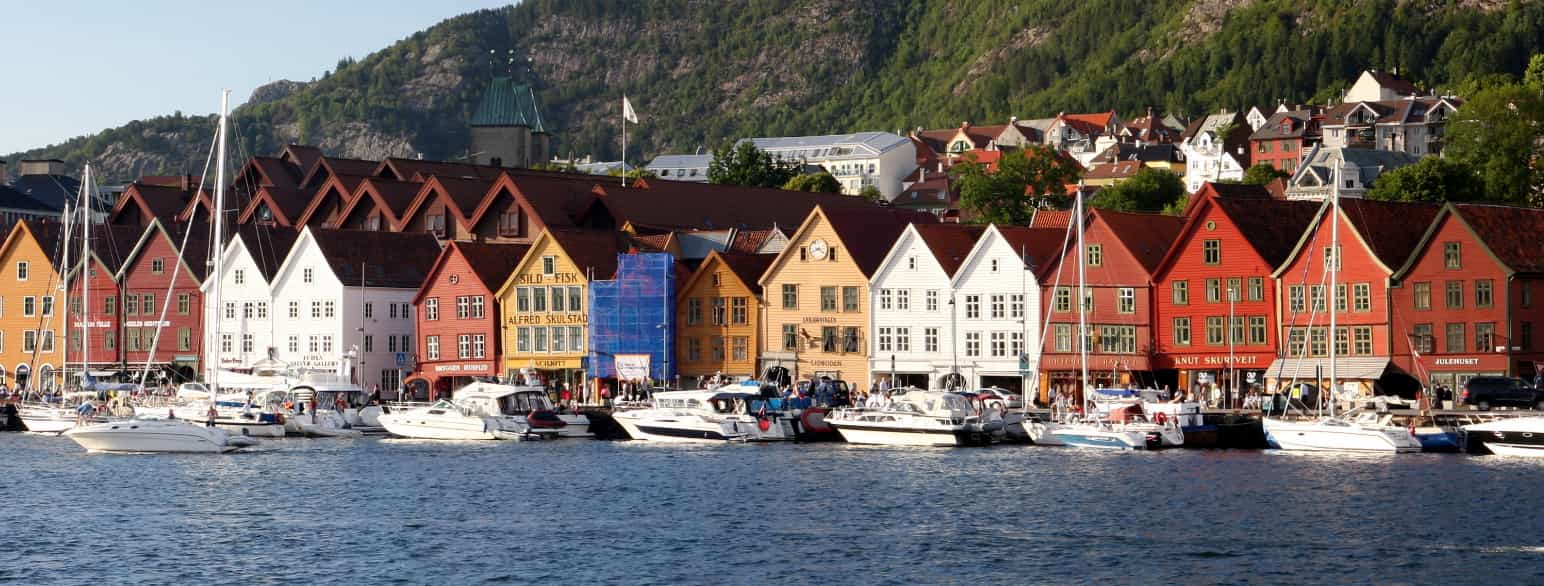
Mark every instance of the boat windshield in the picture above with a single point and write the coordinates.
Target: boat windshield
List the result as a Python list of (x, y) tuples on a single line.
[(329, 399)]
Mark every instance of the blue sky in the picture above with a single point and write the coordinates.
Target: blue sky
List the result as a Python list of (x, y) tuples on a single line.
[(74, 67)]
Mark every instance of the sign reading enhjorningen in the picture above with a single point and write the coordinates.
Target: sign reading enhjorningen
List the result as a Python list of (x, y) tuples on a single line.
[(632, 366)]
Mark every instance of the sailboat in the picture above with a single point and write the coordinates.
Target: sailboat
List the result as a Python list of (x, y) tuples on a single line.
[(174, 435), (1350, 432), (1123, 429)]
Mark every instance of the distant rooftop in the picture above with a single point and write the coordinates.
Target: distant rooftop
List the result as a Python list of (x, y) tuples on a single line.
[(860, 145), (506, 103)]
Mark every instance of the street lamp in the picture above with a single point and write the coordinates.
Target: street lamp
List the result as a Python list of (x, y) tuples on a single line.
[(1232, 331)]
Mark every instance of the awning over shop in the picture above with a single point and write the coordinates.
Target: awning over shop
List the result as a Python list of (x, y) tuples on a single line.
[(1355, 368)]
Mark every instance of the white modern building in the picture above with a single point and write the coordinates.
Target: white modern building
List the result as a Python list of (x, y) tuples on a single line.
[(246, 326), (1342, 172), (911, 323), (857, 160), (1216, 149), (342, 301)]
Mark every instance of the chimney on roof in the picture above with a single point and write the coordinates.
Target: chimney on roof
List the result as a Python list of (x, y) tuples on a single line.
[(1013, 120), (964, 125), (40, 167), (5, 174)]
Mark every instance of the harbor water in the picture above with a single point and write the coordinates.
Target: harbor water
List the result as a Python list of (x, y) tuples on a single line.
[(384, 511)]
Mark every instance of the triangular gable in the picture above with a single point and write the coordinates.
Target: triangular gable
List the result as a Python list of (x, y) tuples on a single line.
[(708, 265), (433, 187), (434, 272), (306, 239), (366, 192), (536, 245), (983, 244), (1448, 209), (153, 230), (335, 186), (816, 215)]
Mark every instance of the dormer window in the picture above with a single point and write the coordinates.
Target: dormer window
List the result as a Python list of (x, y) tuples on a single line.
[(373, 223), (509, 223), (435, 224)]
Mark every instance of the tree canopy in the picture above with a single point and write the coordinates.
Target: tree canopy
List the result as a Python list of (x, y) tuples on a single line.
[(747, 165), (816, 182), (1149, 190), (1430, 179), (1499, 133), (1033, 177), (1263, 173)]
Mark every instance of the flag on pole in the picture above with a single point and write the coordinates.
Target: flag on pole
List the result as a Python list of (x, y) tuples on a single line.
[(627, 111)]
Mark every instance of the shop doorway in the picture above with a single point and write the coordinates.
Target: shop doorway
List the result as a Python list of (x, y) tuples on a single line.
[(903, 380), (1007, 383)]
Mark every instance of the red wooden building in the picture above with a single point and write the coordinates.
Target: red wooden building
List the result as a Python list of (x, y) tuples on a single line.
[(1216, 301), (1285, 139), (110, 246), (1120, 250), (1467, 296), (1375, 240), (152, 268), (458, 309)]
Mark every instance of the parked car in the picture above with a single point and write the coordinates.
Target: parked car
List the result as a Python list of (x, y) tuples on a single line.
[(995, 398), (1487, 391)]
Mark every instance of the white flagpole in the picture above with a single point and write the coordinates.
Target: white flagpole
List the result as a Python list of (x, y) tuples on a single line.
[(624, 140)]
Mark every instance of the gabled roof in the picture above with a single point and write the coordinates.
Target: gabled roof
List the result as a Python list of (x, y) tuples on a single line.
[(328, 167), (1100, 120), (867, 233), (48, 191), (462, 195), (189, 240), (1395, 82), (267, 246), (686, 205), (153, 201), (287, 205), (490, 263), (1116, 170), (949, 243), (304, 157), (1505, 230), (1270, 226), (47, 235), (343, 185), (390, 197), (1038, 246), (506, 103), (1272, 129), (419, 170), (1389, 230), (393, 260), (1147, 237), (751, 241), (592, 251), (746, 267), (558, 200), (11, 199), (266, 172)]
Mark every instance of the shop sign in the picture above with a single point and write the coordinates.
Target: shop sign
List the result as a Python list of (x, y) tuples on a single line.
[(632, 366), (554, 363), (1457, 362), (1216, 360), (828, 363), (461, 368), (540, 279), (549, 319)]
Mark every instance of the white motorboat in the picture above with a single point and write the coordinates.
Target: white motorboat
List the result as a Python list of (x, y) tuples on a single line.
[(1519, 436), (51, 419), (1366, 432), (446, 420), (534, 400), (917, 418), (1122, 427), (702, 416), (335, 394), (319, 423), (155, 436)]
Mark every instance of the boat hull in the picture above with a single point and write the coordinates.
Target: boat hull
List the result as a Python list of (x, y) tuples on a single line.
[(679, 430), (1317, 437), (1101, 439), (1521, 437), (151, 437), (895, 436), (407, 426)]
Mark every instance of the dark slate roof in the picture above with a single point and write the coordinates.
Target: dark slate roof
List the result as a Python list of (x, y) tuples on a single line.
[(1391, 229), (112, 244), (398, 260), (12, 199), (1272, 129), (950, 243), (1394, 82), (492, 262), (677, 204), (49, 191), (1272, 227), (465, 193), (1146, 236), (1509, 232), (192, 239), (406, 169), (869, 232), (1038, 245), (304, 157), (593, 252), (289, 202), (748, 267), (506, 103), (162, 202), (267, 246), (48, 236)]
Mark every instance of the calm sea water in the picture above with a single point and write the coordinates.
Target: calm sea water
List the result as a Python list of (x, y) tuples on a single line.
[(402, 512)]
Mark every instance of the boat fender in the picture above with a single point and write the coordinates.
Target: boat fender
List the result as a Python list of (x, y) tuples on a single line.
[(763, 424), (1161, 418)]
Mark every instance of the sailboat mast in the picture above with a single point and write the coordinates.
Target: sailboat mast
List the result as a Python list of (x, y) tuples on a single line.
[(64, 285), (1334, 293), (86, 196), (219, 239), (1082, 296)]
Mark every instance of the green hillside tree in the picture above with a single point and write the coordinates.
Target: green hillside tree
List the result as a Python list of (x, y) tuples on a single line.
[(1499, 132), (1430, 179), (816, 182), (749, 166), (1149, 190), (1032, 177), (1262, 174)]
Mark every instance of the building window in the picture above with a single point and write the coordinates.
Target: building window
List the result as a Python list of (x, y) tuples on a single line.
[(739, 348), (329, 308), (48, 305), (575, 299), (230, 310), (306, 275), (972, 307), (522, 339), (1331, 258), (1455, 294), (694, 350), (464, 346), (147, 303), (559, 301), (1451, 256), (790, 296), (1362, 340), (1063, 302), (1257, 288), (1127, 300), (1214, 330), (549, 265), (999, 345), (1525, 336), (1095, 254), (718, 311), (886, 339), (1295, 301), (999, 306), (828, 339), (391, 343), (1340, 297), (1455, 338), (1318, 342), (996, 265), (538, 299), (540, 342), (886, 300), (739, 312), (1182, 331), (1213, 290), (849, 339), (369, 343), (1235, 291), (903, 299), (1361, 294), (1484, 336), (464, 307), (911, 263), (239, 276), (109, 305), (1422, 295), (1483, 296), (157, 266), (1236, 330), (22, 269), (1016, 305), (1063, 337), (932, 300), (432, 347), (1257, 330), (930, 339), (1316, 298), (973, 344), (1211, 252), (1342, 341), (828, 298), (1527, 294), (1181, 291), (294, 344), (849, 299), (790, 337), (1424, 340), (185, 304), (225, 343), (693, 311), (246, 343)]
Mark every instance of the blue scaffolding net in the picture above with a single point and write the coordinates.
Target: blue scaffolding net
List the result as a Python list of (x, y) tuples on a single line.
[(633, 316)]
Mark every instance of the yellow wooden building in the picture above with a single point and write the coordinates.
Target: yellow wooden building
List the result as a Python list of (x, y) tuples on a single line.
[(816, 291), (718, 316), (544, 307), (31, 345)]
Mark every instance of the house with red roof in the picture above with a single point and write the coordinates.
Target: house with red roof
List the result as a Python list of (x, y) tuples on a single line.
[(909, 297)]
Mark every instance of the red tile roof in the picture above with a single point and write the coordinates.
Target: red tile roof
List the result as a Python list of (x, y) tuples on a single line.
[(748, 267), (1147, 237), (750, 241), (1391, 229), (1116, 170), (1509, 232), (869, 232), (1051, 219), (1099, 120), (397, 260), (950, 243)]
